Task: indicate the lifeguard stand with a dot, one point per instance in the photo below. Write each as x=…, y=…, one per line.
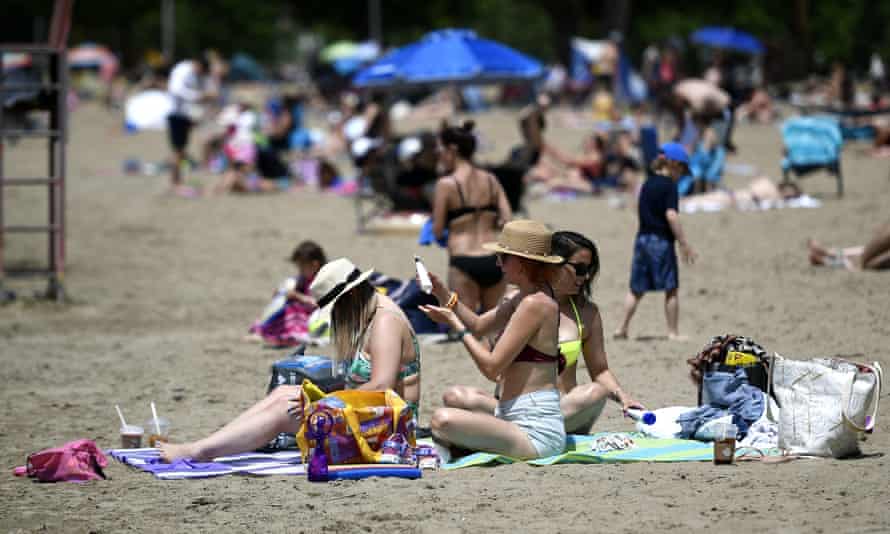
x=50, y=95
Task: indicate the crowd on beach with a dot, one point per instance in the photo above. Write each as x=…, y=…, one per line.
x=274, y=142
x=516, y=295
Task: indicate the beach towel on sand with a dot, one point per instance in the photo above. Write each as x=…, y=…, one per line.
x=251, y=463
x=580, y=449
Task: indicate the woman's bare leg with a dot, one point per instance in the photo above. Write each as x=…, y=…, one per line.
x=846, y=257
x=876, y=254
x=481, y=432
x=469, y=398
x=582, y=406
x=277, y=413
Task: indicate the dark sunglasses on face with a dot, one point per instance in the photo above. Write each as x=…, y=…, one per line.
x=582, y=270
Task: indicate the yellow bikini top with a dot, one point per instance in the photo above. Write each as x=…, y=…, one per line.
x=572, y=349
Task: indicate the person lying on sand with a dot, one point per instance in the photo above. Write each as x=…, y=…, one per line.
x=760, y=193
x=370, y=332
x=580, y=335
x=874, y=255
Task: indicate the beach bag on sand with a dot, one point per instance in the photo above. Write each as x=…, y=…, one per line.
x=727, y=353
x=361, y=422
x=75, y=461
x=825, y=404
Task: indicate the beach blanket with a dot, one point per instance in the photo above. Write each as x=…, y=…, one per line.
x=803, y=201
x=251, y=463
x=254, y=463
x=606, y=447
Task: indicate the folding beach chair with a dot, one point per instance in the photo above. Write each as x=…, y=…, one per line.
x=371, y=200
x=812, y=143
x=381, y=204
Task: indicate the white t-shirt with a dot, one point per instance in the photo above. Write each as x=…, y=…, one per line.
x=186, y=88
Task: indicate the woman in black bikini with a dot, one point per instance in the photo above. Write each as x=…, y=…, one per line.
x=471, y=205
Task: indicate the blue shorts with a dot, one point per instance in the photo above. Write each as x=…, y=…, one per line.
x=654, y=266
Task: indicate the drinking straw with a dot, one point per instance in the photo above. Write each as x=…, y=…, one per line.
x=120, y=414
x=154, y=414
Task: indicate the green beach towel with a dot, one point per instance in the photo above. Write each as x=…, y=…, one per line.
x=579, y=451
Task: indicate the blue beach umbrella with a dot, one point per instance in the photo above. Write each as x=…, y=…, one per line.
x=727, y=38
x=449, y=56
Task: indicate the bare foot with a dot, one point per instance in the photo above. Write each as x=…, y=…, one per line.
x=677, y=337
x=619, y=334
x=818, y=253
x=171, y=452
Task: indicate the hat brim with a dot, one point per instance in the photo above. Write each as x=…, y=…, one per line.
x=325, y=313
x=496, y=247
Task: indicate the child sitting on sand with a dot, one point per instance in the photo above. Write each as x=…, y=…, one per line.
x=654, y=265
x=285, y=321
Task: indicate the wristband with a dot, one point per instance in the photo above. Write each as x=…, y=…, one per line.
x=463, y=333
x=452, y=301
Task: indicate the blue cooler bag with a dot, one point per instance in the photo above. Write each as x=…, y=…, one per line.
x=291, y=371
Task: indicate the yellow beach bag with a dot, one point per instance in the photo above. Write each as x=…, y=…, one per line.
x=360, y=421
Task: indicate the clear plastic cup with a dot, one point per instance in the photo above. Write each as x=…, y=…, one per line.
x=724, y=443
x=153, y=435
x=131, y=436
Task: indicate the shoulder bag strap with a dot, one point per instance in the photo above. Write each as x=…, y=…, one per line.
x=769, y=388
x=875, y=368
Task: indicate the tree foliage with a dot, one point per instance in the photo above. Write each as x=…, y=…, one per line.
x=800, y=35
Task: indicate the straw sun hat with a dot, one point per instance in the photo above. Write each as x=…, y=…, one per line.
x=526, y=239
x=333, y=280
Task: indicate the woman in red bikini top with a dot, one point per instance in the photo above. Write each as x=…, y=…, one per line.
x=528, y=422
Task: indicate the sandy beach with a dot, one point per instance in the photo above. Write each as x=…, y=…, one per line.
x=162, y=289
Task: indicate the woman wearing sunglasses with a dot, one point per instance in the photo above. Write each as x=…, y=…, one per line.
x=580, y=336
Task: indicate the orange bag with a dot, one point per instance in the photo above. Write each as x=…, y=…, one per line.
x=362, y=421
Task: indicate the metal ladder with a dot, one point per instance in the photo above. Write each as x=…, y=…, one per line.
x=52, y=98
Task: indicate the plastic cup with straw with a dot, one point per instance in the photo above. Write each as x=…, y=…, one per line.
x=131, y=435
x=161, y=427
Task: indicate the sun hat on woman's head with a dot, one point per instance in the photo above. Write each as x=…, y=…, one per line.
x=526, y=239
x=333, y=280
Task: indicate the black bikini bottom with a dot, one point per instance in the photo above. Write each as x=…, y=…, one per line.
x=484, y=270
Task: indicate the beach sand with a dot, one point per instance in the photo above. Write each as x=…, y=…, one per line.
x=162, y=289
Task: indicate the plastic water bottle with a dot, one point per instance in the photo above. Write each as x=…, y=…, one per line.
x=423, y=276
x=318, y=461
x=647, y=418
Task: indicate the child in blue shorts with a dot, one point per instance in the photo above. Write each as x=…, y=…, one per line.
x=654, y=265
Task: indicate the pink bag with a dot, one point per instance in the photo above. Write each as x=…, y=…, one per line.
x=75, y=461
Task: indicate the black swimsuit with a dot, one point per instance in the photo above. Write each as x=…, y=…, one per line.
x=450, y=215
x=484, y=270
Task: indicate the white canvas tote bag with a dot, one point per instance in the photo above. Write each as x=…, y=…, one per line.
x=824, y=404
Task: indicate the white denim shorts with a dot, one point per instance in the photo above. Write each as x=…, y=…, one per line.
x=538, y=415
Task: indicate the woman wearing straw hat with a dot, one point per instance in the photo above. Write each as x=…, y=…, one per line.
x=525, y=359
x=581, y=338
x=470, y=205
x=370, y=333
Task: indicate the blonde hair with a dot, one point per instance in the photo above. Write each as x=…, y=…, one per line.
x=349, y=319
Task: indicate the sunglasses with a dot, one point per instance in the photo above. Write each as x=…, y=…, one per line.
x=582, y=270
